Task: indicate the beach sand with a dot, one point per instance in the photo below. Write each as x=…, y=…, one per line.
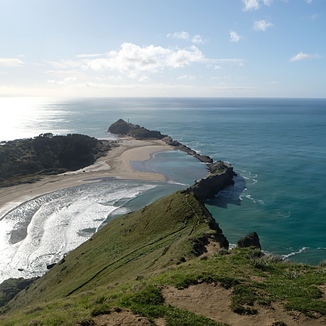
x=115, y=164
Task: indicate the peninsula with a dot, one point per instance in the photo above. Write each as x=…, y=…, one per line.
x=167, y=264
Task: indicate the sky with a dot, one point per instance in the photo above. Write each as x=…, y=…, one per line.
x=156, y=48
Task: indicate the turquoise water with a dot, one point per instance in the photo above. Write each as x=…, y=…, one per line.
x=277, y=147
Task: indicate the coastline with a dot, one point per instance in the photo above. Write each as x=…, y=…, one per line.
x=115, y=164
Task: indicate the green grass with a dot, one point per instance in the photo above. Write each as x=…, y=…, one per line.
x=235, y=271
x=126, y=264
x=131, y=246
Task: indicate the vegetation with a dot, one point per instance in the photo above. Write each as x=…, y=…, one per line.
x=26, y=159
x=128, y=264
x=122, y=127
x=12, y=286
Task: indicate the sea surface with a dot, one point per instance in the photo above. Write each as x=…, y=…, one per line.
x=276, y=146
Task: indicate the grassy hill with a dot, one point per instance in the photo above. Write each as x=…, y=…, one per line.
x=168, y=264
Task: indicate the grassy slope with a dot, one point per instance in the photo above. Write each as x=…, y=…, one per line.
x=135, y=244
x=127, y=263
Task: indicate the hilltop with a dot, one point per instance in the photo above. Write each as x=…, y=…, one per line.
x=169, y=264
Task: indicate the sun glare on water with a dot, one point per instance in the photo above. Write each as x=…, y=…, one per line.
x=19, y=117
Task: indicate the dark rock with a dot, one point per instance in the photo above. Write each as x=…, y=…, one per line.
x=174, y=143
x=124, y=128
x=220, y=176
x=120, y=127
x=50, y=266
x=250, y=240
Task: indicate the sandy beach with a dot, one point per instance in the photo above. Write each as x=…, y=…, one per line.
x=115, y=164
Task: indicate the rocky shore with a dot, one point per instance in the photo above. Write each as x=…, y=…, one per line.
x=220, y=174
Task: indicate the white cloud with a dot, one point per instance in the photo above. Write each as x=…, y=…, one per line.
x=197, y=39
x=234, y=37
x=133, y=59
x=185, y=36
x=255, y=4
x=308, y=1
x=304, y=56
x=261, y=25
x=179, y=35
x=10, y=62
x=251, y=4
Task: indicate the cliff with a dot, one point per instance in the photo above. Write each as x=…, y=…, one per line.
x=220, y=175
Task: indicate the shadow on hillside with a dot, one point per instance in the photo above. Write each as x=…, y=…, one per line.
x=231, y=194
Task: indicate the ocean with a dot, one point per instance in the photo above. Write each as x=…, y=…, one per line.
x=276, y=146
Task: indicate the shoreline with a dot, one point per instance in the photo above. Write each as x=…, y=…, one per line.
x=116, y=164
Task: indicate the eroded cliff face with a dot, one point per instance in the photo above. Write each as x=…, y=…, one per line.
x=220, y=176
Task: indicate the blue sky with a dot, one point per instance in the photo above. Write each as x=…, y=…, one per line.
x=214, y=48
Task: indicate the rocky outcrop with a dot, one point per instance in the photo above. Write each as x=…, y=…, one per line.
x=124, y=128
x=250, y=240
x=184, y=148
x=220, y=176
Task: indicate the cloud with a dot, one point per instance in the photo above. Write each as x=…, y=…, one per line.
x=234, y=37
x=133, y=59
x=308, y=1
x=261, y=25
x=185, y=36
x=10, y=62
x=251, y=4
x=197, y=39
x=304, y=56
x=255, y=4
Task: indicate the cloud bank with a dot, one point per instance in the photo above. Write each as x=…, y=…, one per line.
x=132, y=59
